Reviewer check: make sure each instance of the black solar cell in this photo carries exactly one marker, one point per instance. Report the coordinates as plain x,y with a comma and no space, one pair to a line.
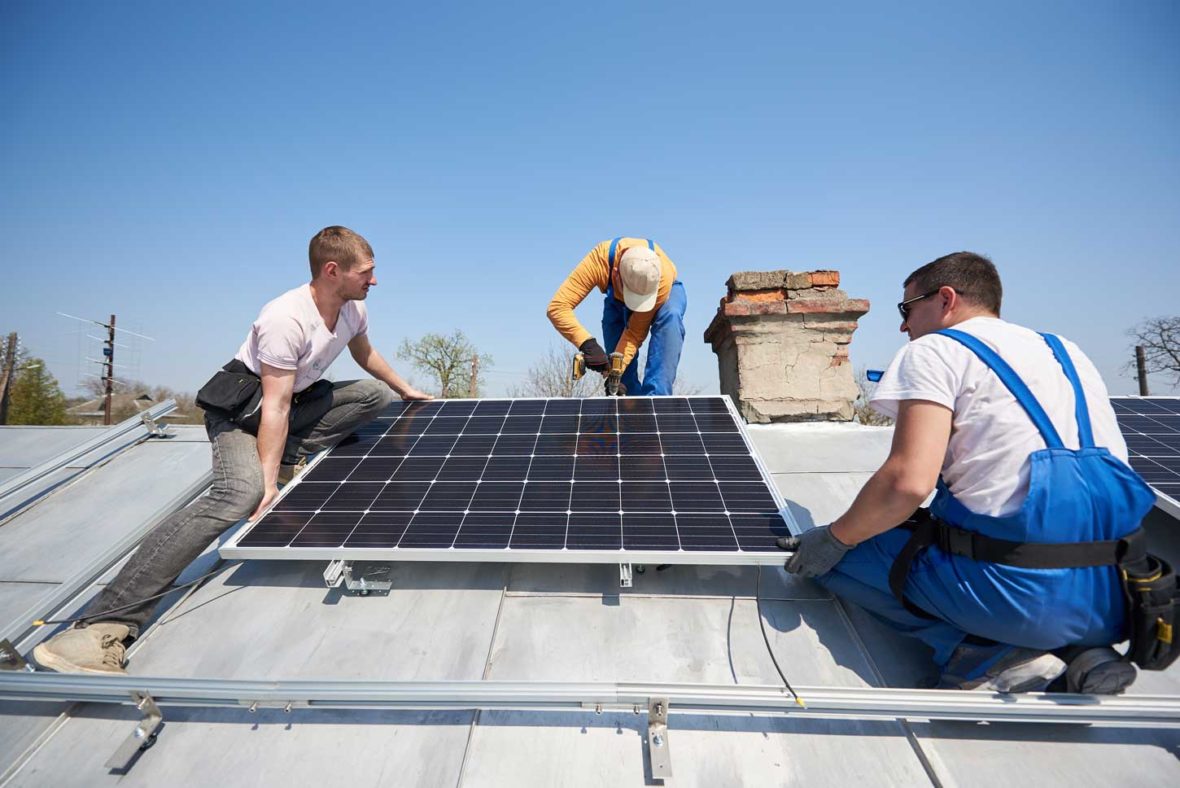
544,531
551,468
595,497
418,469
400,496
497,497
485,530
594,532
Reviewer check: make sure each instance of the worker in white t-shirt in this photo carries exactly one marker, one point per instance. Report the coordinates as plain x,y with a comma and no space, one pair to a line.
264,410
1016,432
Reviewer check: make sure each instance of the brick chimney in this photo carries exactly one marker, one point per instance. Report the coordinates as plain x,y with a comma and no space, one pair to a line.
781,340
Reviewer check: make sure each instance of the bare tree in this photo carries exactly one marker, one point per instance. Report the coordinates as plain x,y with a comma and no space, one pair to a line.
551,376
1160,338
863,412
448,360
134,396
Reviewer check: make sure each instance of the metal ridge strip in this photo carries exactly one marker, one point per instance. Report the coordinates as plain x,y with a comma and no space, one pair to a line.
129,429
22,627
856,702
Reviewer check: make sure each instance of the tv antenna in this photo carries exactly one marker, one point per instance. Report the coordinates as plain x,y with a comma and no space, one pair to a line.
108,358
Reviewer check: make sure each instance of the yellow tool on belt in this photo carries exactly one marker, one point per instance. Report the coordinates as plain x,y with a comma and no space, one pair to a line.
613,387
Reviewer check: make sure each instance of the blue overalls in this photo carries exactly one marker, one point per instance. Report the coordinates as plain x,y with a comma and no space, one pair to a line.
666,336
1082,495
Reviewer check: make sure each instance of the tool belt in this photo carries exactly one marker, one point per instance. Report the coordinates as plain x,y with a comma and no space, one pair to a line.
1149,584
235,393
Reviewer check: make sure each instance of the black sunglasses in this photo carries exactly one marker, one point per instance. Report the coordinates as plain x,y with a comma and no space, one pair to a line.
903,308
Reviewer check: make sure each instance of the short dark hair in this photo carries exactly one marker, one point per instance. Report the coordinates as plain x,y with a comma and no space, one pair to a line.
972,276
338,244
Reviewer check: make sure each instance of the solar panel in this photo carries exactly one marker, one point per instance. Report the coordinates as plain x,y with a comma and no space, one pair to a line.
1151,426
674,478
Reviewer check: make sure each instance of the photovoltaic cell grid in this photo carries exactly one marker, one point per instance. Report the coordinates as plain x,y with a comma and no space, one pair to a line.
1152,429
655,474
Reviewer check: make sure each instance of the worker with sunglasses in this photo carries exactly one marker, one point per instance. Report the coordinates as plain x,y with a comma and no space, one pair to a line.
1012,575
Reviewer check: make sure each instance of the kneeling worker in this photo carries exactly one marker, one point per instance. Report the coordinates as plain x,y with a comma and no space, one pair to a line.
1017,430
642,297
267,408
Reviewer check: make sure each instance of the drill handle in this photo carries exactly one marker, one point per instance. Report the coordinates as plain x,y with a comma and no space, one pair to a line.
578,369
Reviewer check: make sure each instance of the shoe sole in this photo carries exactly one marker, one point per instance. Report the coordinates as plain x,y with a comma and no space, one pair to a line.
49,661
1032,676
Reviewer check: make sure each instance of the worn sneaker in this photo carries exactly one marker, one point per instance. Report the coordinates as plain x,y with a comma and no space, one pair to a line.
1000,668
97,648
1099,671
289,472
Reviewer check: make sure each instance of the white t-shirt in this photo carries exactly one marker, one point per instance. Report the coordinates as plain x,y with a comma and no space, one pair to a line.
986,464
290,334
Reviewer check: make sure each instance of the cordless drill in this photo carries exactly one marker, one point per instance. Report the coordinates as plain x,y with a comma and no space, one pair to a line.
613,386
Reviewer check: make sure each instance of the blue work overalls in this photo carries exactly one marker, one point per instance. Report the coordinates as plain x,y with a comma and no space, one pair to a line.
1081,495
665,338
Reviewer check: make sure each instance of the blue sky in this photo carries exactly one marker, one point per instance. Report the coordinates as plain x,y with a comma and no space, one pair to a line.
169,164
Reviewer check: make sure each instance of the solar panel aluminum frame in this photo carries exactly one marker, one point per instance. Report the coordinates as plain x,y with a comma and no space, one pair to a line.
1163,501
231,549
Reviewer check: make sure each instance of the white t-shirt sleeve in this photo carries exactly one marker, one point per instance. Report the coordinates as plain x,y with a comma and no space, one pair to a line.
920,370
280,340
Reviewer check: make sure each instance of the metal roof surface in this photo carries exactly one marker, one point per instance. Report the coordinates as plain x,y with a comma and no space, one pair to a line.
276,620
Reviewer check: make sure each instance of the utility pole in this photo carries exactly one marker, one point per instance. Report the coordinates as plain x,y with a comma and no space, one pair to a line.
1141,369
108,353
473,389
6,375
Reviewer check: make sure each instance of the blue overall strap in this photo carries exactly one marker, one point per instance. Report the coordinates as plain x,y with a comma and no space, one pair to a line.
1013,383
614,245
1085,433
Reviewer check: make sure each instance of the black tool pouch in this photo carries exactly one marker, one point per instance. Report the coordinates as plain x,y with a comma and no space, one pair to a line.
233,391
1153,596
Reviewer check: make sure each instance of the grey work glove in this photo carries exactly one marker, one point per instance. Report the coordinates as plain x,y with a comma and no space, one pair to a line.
816,551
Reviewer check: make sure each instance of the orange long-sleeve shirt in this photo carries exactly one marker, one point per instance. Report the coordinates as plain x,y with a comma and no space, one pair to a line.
594,272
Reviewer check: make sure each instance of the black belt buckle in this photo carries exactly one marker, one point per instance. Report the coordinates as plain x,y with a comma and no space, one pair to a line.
956,541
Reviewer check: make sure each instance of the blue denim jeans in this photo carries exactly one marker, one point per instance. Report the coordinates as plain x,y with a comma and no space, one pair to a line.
237,490
665,341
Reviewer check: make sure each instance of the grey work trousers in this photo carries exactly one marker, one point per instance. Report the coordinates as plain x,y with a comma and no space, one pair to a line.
237,490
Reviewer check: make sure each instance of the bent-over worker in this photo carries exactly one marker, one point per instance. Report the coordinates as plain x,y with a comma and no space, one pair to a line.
643,297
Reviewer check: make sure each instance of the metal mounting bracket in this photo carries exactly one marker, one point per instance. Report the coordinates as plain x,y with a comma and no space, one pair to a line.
142,737
657,738
625,576
373,577
10,658
155,429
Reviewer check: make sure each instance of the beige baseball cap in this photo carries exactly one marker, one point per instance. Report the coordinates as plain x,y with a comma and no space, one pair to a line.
639,268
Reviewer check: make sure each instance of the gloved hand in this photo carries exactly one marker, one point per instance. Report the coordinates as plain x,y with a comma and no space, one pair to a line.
816,551
596,358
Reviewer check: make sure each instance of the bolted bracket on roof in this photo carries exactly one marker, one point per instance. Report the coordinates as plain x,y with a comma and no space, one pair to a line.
142,737
373,577
625,580
10,658
154,428
657,738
